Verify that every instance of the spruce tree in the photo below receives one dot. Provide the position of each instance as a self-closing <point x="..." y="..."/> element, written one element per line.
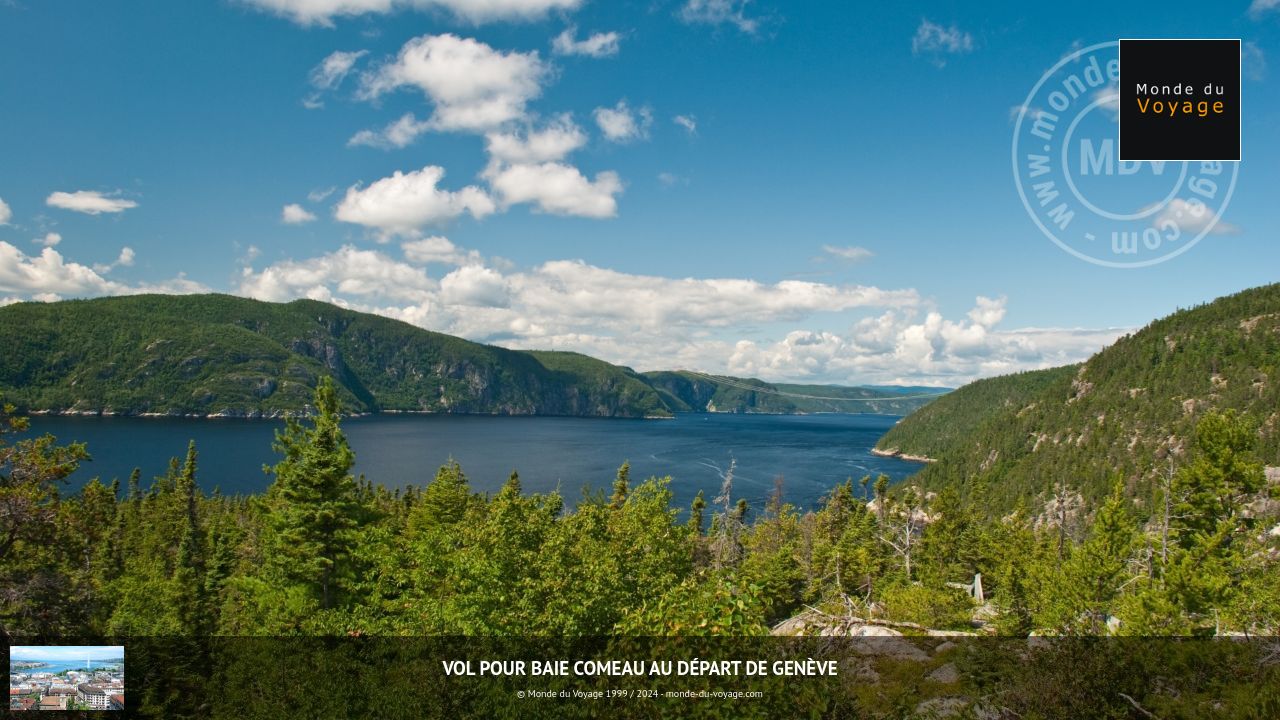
<point x="313" y="506"/>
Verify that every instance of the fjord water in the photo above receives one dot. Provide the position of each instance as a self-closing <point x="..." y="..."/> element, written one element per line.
<point x="812" y="452"/>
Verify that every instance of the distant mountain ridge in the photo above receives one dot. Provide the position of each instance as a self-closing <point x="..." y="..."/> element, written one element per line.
<point x="220" y="355"/>
<point x="1126" y="412"/>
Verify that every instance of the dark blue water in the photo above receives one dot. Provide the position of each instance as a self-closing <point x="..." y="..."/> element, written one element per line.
<point x="812" y="452"/>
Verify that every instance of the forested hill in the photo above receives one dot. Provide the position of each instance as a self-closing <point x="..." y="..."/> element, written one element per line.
<point x="224" y="355"/>
<point x="697" y="392"/>
<point x="1128" y="411"/>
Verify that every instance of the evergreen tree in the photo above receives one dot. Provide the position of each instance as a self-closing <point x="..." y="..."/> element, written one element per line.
<point x="189" y="565"/>
<point x="312" y="502"/>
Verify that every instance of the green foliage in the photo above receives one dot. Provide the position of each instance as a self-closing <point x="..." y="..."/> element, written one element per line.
<point x="711" y="605"/>
<point x="933" y="607"/>
<point x="312" y="507"/>
<point x="1130" y="409"/>
<point x="217" y="354"/>
<point x="695" y="392"/>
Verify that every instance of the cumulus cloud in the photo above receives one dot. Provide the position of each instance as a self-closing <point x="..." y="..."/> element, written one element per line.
<point x="5" y="213"/>
<point x="900" y="347"/>
<point x="324" y="12"/>
<point x="621" y="124"/>
<point x="125" y="259"/>
<point x="437" y="249"/>
<point x="688" y="122"/>
<point x="596" y="45"/>
<point x="475" y="286"/>
<point x="720" y="12"/>
<point x="49" y="274"/>
<point x="295" y="214"/>
<point x="49" y="240"/>
<point x="557" y="139"/>
<point x="398" y="134"/>
<point x="405" y="202"/>
<point x="346" y="271"/>
<point x="652" y="322"/>
<point x="472" y="86"/>
<point x="935" y="41"/>
<point x="558" y="189"/>
<point x="89" y="202"/>
<point x="1191" y="217"/>
<point x="847" y="253"/>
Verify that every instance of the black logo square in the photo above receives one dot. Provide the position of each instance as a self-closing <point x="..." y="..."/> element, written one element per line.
<point x="1180" y="100"/>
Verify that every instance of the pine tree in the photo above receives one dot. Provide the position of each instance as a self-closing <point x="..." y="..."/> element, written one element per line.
<point x="189" y="565"/>
<point x="444" y="501"/>
<point x="313" y="506"/>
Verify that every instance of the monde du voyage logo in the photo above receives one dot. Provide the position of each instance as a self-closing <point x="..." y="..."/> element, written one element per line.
<point x="1125" y="154"/>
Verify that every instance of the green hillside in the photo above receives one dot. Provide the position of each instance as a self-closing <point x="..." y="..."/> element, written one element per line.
<point x="220" y="354"/>
<point x="224" y="355"/>
<point x="945" y="425"/>
<point x="1128" y="411"/>
<point x="689" y="391"/>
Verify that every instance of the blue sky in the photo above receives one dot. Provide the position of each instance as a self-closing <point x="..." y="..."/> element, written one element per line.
<point x="813" y="191"/>
<point x="53" y="653"/>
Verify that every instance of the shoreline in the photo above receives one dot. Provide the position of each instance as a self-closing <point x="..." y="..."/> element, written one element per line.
<point x="896" y="453"/>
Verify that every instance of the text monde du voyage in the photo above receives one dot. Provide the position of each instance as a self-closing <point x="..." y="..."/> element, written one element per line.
<point x="681" y="668"/>
<point x="1179" y="99"/>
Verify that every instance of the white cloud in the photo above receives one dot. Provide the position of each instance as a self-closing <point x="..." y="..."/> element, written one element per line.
<point x="49" y="273"/>
<point x="1254" y="60"/>
<point x="718" y="12"/>
<point x="295" y="214"/>
<point x="474" y="285"/>
<point x="346" y="271"/>
<point x="329" y="74"/>
<point x="669" y="179"/>
<point x="90" y="202"/>
<point x="49" y="240"/>
<point x="558" y="189"/>
<point x="1258" y="8"/>
<point x="560" y="137"/>
<point x="323" y="12"/>
<point x="473" y="86"/>
<point x="331" y="71"/>
<point x="398" y="134"/>
<point x="5" y="213"/>
<point x="937" y="41"/>
<point x="1108" y="99"/>
<point x="688" y="122"/>
<point x="596" y="45"/>
<point x="319" y="195"/>
<point x="621" y="124"/>
<point x="437" y="249"/>
<point x="125" y="259"/>
<point x="1030" y="112"/>
<point x="897" y="347"/>
<point x="1191" y="217"/>
<point x="848" y="253"/>
<point x="405" y="202"/>
<point x="653" y="322"/>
